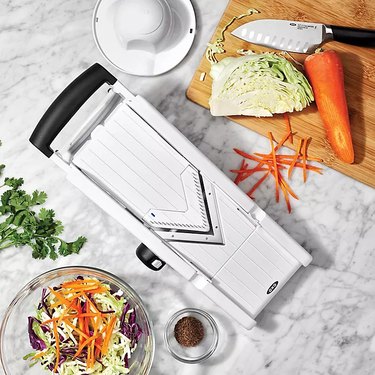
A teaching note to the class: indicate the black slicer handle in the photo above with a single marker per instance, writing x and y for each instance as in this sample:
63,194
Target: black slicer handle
148,258
349,35
67,104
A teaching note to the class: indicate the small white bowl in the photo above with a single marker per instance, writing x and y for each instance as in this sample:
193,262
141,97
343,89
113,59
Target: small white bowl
144,37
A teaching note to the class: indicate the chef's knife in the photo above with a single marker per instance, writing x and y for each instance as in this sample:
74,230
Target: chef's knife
301,37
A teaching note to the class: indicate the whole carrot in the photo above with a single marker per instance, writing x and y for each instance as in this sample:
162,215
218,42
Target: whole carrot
325,73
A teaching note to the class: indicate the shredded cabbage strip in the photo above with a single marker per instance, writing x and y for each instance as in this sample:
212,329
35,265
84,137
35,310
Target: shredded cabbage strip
217,47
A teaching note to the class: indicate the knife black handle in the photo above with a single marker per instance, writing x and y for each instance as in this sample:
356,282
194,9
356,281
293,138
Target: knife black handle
67,104
350,35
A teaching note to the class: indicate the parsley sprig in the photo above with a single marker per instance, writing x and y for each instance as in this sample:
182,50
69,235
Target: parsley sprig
22,225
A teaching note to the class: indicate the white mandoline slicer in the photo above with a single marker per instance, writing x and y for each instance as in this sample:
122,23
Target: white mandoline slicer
142,171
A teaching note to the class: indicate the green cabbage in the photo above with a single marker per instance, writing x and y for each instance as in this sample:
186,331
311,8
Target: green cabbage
258,85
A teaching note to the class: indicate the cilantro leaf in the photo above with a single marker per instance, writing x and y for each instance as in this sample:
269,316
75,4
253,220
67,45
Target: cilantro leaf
46,215
38,197
22,226
13,182
68,248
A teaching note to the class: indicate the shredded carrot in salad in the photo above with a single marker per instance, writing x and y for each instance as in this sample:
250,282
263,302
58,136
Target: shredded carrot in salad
273,164
84,327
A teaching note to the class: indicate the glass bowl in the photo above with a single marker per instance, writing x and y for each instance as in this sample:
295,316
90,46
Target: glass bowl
197,353
14,339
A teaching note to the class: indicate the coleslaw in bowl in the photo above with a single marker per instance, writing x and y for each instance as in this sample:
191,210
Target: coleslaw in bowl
76,320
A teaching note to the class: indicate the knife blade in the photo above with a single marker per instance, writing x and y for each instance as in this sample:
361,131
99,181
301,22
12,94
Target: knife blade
300,37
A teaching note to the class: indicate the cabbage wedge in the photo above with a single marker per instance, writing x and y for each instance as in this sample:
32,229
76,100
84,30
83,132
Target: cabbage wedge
258,85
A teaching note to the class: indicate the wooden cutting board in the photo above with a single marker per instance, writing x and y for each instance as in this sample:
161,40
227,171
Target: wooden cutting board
359,68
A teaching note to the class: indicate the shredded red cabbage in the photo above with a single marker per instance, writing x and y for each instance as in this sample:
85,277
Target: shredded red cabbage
35,341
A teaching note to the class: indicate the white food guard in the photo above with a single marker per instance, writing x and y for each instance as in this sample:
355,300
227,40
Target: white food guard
142,171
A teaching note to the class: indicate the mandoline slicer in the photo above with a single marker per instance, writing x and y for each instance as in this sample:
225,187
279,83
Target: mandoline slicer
142,171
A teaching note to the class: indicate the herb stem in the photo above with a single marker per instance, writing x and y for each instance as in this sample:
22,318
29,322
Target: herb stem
9,244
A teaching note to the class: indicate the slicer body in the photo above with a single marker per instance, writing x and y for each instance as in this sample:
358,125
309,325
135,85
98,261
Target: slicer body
141,170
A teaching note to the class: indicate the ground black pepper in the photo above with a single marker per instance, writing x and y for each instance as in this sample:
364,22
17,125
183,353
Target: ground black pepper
189,331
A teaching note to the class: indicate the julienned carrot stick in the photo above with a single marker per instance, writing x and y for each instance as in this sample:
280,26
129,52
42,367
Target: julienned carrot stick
310,168
61,301
91,289
81,320
98,345
237,179
300,165
251,157
249,172
288,127
286,196
256,169
82,346
57,341
92,356
281,157
278,146
304,152
243,164
283,140
73,316
88,359
92,305
259,182
268,156
287,187
275,170
66,316
326,75
39,355
296,156
243,173
108,335
246,155
74,328
81,283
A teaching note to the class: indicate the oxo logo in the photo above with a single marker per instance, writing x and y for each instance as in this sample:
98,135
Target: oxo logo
272,287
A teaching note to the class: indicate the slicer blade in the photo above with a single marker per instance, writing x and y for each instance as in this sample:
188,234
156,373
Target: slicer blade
214,234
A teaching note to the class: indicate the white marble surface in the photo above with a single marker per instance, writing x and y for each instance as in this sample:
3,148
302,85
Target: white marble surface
322,322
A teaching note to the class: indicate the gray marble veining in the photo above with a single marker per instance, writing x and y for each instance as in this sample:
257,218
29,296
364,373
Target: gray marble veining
321,322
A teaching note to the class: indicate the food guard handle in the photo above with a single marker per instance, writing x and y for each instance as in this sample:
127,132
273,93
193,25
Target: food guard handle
67,104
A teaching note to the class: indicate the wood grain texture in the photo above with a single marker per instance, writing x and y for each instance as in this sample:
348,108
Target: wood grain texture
359,69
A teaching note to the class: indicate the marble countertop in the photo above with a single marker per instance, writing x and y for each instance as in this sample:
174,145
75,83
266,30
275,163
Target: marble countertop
321,322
